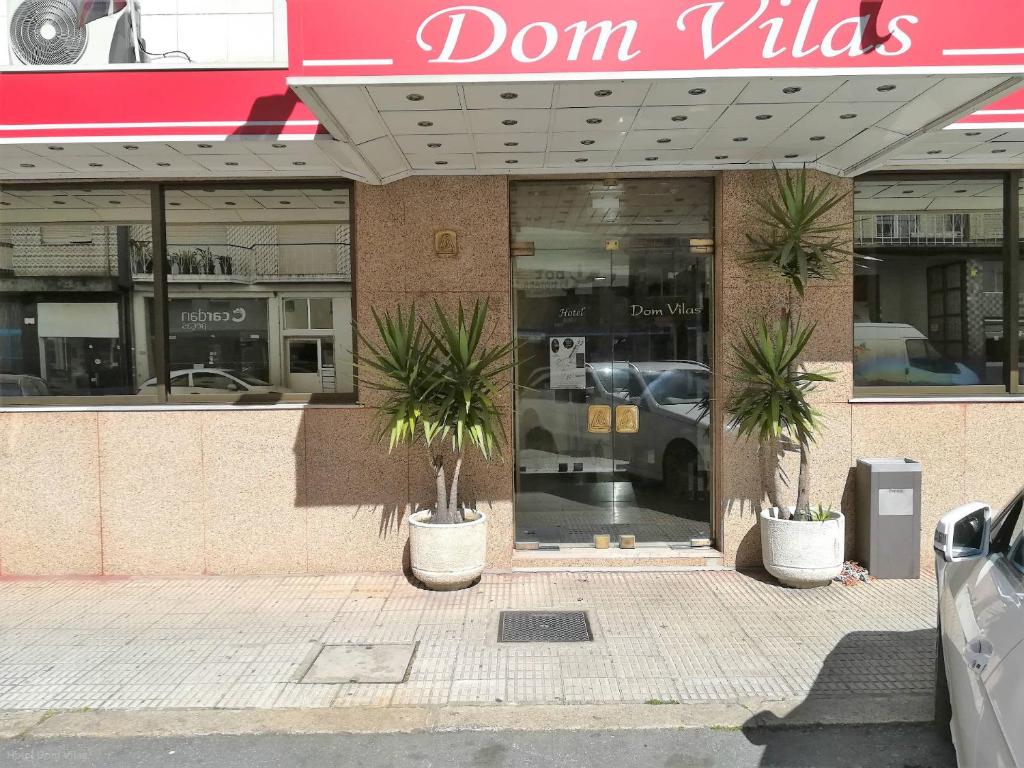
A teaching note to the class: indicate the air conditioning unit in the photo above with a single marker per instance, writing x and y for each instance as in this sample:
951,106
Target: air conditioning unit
64,33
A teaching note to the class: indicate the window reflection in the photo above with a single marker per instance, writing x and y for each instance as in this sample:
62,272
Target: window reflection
928,286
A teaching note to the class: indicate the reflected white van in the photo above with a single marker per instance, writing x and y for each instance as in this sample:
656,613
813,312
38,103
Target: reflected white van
893,354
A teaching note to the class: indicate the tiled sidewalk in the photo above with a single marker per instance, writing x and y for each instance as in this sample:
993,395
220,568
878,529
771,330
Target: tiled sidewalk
660,637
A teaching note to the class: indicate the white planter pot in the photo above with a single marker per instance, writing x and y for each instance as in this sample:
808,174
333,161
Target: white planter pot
447,557
803,554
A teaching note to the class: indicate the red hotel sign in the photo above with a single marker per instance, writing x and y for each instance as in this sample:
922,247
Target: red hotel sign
428,38
425,40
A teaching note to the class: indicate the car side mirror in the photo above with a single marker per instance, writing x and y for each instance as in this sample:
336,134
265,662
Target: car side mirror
963,534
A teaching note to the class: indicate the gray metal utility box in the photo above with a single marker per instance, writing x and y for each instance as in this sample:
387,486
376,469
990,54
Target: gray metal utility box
889,517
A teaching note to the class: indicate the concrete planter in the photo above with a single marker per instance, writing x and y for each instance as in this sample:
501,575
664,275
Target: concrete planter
448,557
803,554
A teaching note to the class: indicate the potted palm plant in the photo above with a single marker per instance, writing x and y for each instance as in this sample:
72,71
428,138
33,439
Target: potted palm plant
440,386
801,547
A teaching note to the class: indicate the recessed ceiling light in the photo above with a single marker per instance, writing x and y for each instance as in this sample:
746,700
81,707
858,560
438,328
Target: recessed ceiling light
299,162
433,145
960,191
509,96
4,203
59,202
279,146
425,124
114,202
511,143
339,202
848,116
588,142
510,123
582,159
440,162
174,204
664,141
740,138
973,133
164,165
679,118
95,165
230,203
133,147
651,159
415,97
792,156
511,162
201,146
791,89
908,191
721,157
763,117
56,149
998,151
602,93
285,202
885,88
697,91
594,121
934,151
27,165
232,163
817,138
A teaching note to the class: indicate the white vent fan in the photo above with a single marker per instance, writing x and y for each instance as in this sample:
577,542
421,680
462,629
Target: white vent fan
72,32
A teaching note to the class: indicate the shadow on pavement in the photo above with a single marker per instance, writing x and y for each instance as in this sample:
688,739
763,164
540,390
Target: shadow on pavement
862,662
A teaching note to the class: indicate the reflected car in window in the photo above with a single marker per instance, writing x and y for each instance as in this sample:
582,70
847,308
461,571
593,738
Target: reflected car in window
671,445
20,385
215,381
895,354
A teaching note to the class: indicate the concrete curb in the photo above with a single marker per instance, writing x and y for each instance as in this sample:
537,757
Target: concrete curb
818,710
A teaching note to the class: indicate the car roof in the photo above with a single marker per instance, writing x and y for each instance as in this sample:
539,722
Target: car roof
18,377
887,331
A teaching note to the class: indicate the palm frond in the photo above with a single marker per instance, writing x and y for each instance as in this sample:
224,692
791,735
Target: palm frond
795,239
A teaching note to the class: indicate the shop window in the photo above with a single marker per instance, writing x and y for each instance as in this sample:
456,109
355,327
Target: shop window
259,290
929,284
66,294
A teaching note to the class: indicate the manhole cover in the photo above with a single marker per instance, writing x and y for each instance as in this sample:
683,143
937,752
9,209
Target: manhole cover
380,663
544,627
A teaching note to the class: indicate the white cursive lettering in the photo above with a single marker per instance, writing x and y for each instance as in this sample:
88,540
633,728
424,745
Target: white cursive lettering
708,25
499,31
605,30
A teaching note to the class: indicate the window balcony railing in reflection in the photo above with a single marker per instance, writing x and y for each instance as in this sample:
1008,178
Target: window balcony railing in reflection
965,228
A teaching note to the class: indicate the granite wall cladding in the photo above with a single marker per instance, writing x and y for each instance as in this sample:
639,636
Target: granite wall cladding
264,491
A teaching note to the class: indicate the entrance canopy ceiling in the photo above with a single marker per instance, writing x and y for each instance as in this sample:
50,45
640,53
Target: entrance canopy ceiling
842,124
524,86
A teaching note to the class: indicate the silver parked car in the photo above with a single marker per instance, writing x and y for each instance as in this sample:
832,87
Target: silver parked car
980,571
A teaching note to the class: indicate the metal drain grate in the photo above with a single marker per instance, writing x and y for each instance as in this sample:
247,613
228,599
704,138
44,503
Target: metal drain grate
544,627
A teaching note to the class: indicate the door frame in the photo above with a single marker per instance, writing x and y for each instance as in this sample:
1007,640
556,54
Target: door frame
715,413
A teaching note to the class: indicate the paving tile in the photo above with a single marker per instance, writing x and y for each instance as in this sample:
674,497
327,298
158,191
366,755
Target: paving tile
239,642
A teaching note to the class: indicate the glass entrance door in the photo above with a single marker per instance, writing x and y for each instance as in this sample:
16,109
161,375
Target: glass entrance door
612,287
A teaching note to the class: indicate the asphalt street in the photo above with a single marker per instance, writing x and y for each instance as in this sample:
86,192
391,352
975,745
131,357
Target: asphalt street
895,746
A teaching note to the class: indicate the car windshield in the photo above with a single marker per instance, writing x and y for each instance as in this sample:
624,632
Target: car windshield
677,386
252,381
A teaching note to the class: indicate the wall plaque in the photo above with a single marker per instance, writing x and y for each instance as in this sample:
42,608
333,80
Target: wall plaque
446,243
